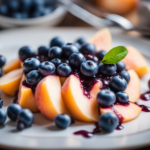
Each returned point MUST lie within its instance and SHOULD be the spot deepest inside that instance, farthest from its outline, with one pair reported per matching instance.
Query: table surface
(72, 21)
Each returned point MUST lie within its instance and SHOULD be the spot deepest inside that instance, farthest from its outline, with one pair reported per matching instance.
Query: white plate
(43, 134)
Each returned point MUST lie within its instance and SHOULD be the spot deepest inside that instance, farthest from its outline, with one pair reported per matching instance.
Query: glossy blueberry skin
(77, 45)
(122, 97)
(106, 69)
(26, 117)
(17, 15)
(89, 68)
(26, 52)
(3, 117)
(1, 72)
(20, 126)
(2, 61)
(13, 111)
(3, 9)
(25, 5)
(55, 52)
(57, 41)
(64, 70)
(87, 48)
(62, 121)
(56, 61)
(33, 77)
(13, 5)
(100, 55)
(108, 122)
(69, 49)
(76, 59)
(106, 98)
(43, 50)
(81, 40)
(118, 84)
(125, 75)
(35, 14)
(120, 66)
(47, 68)
(31, 64)
(1, 103)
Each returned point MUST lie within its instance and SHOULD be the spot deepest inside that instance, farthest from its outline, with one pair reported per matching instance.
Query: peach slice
(79, 106)
(102, 40)
(128, 112)
(48, 97)
(135, 60)
(62, 80)
(9, 83)
(12, 65)
(26, 97)
(133, 87)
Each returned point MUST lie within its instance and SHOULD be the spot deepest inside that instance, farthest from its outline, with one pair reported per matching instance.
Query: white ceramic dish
(52, 19)
(43, 134)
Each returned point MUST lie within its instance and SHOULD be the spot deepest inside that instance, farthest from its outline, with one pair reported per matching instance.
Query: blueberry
(77, 45)
(107, 69)
(47, 11)
(35, 14)
(64, 70)
(43, 50)
(68, 49)
(31, 64)
(25, 52)
(120, 66)
(47, 68)
(17, 15)
(25, 116)
(118, 84)
(4, 9)
(66, 61)
(3, 117)
(13, 111)
(125, 75)
(20, 126)
(62, 121)
(55, 52)
(91, 57)
(108, 122)
(1, 72)
(100, 55)
(122, 97)
(1, 103)
(76, 59)
(106, 98)
(87, 48)
(56, 61)
(33, 77)
(13, 5)
(81, 40)
(25, 5)
(89, 68)
(2, 61)
(57, 41)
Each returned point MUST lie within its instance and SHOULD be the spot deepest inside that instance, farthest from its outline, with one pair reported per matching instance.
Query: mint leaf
(115, 55)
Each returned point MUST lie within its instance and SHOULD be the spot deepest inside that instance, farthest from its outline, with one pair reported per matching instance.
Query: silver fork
(109, 19)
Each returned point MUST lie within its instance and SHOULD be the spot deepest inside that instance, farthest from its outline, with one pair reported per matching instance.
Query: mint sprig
(115, 55)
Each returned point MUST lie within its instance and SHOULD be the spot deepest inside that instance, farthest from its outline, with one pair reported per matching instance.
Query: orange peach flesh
(79, 106)
(135, 60)
(102, 40)
(128, 113)
(48, 97)
(9, 83)
(12, 65)
(133, 87)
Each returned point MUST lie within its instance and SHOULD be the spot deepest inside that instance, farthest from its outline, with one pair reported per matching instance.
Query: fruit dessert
(84, 81)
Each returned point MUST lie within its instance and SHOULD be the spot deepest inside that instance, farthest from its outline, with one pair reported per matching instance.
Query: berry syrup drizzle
(144, 108)
(88, 134)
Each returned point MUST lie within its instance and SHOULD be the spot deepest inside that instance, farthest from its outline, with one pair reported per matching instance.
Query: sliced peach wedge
(136, 61)
(80, 106)
(26, 97)
(102, 40)
(12, 65)
(48, 97)
(9, 83)
(127, 113)
(133, 87)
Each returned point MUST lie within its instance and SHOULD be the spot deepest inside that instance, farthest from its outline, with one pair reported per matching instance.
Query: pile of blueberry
(64, 59)
(2, 63)
(24, 117)
(23, 9)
